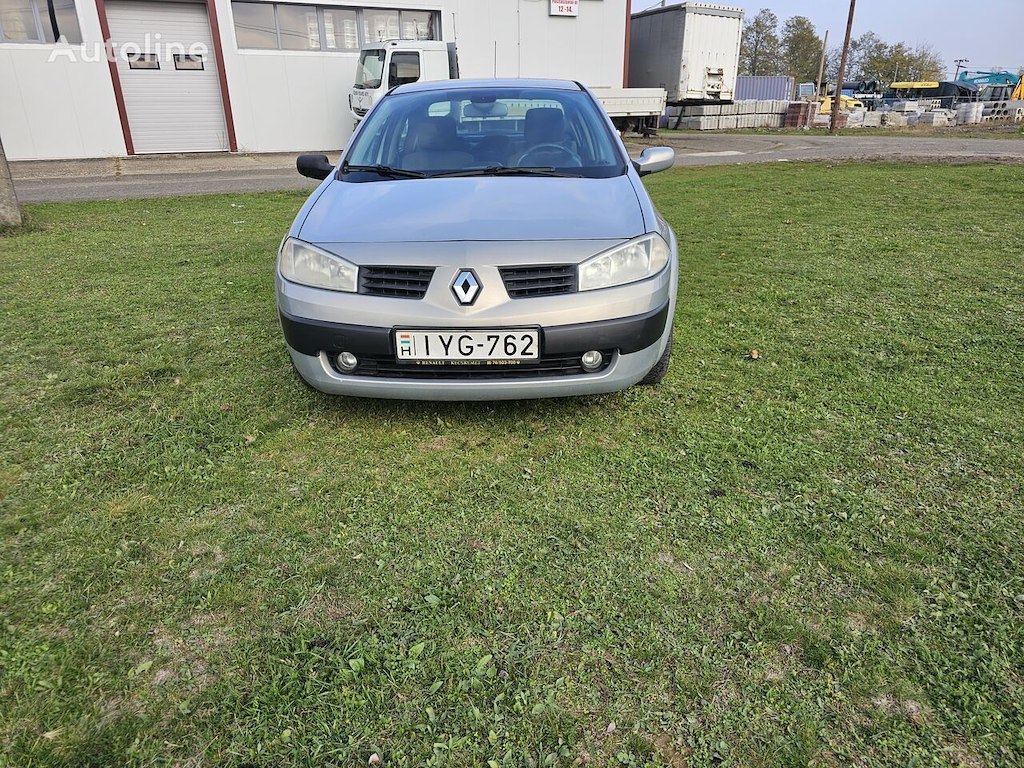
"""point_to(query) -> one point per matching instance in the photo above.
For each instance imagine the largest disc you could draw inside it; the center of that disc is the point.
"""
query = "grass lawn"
(811, 555)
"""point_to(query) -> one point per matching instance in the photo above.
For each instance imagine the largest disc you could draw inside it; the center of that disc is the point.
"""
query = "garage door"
(168, 76)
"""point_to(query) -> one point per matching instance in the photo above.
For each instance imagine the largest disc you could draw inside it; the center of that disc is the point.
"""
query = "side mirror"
(654, 159)
(314, 166)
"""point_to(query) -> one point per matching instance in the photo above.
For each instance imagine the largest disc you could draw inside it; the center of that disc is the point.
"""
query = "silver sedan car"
(480, 240)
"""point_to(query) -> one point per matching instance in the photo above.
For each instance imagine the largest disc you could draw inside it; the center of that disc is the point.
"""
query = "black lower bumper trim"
(627, 335)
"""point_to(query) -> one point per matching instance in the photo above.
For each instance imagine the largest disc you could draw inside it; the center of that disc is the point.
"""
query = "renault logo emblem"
(466, 287)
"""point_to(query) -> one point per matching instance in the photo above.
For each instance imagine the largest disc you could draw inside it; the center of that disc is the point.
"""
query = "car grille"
(385, 366)
(539, 280)
(397, 282)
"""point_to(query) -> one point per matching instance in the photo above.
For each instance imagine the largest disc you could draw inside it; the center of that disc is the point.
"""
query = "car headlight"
(303, 263)
(636, 260)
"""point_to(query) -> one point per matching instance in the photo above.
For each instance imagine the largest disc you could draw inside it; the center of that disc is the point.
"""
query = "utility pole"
(821, 67)
(960, 64)
(842, 71)
(10, 212)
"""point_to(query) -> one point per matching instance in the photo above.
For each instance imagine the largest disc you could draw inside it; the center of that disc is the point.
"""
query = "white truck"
(390, 63)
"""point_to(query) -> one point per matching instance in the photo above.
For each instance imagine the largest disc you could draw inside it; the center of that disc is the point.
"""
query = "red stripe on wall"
(218, 51)
(115, 78)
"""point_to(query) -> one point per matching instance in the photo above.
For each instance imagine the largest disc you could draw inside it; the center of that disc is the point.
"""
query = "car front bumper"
(632, 346)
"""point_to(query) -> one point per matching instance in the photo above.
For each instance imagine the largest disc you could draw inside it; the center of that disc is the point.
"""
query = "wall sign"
(565, 8)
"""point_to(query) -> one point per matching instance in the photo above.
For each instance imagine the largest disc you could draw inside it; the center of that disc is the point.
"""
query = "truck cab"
(390, 63)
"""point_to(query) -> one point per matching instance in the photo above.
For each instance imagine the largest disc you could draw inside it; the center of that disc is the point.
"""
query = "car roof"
(509, 82)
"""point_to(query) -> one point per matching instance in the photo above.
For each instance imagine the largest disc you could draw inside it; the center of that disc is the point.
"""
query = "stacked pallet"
(799, 114)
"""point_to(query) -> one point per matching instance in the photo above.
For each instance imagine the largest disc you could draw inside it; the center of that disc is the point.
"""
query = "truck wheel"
(657, 373)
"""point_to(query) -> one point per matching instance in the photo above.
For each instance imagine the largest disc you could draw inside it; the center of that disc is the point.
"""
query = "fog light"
(347, 362)
(592, 360)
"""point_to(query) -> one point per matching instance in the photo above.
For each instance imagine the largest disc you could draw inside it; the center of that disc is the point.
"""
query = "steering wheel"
(556, 150)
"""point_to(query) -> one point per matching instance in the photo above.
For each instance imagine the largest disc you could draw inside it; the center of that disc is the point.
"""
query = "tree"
(801, 49)
(926, 63)
(10, 212)
(871, 58)
(865, 52)
(760, 52)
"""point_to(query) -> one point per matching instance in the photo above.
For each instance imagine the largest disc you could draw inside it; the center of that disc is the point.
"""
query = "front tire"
(657, 373)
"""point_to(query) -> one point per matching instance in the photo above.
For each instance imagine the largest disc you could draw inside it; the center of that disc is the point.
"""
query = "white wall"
(61, 109)
(517, 38)
(285, 101)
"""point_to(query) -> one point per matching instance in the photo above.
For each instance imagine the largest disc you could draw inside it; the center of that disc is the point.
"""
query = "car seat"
(433, 144)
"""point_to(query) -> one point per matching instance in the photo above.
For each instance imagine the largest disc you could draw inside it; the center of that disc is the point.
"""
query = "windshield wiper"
(505, 170)
(383, 170)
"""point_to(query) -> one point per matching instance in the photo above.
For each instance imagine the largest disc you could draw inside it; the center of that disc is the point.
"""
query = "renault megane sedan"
(480, 240)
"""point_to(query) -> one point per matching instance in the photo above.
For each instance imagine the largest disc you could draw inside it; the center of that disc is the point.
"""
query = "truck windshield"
(490, 130)
(370, 70)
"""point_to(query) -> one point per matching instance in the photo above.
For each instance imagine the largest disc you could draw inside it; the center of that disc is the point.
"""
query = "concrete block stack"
(745, 114)
(896, 119)
(1003, 110)
(873, 120)
(939, 118)
(970, 113)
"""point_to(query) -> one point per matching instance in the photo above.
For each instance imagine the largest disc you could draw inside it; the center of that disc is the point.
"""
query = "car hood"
(474, 208)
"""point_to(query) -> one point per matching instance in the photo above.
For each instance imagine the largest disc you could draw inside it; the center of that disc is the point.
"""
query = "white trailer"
(691, 50)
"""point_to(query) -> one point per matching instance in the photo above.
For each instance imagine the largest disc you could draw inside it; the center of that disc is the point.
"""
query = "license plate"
(467, 346)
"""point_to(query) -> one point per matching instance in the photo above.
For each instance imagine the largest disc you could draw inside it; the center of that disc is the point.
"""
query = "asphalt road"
(170, 175)
(696, 149)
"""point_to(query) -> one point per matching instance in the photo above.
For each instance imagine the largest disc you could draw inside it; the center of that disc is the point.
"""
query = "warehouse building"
(110, 78)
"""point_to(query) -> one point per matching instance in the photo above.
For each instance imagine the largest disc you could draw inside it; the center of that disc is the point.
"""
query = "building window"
(418, 25)
(298, 27)
(143, 61)
(289, 27)
(380, 25)
(188, 61)
(341, 29)
(255, 25)
(39, 21)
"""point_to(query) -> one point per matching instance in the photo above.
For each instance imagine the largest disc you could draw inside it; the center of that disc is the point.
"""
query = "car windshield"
(484, 131)
(370, 69)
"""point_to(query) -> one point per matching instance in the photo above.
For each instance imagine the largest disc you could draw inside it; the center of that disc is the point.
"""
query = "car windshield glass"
(370, 69)
(546, 132)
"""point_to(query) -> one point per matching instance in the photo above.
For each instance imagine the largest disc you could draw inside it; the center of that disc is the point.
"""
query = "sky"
(988, 32)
